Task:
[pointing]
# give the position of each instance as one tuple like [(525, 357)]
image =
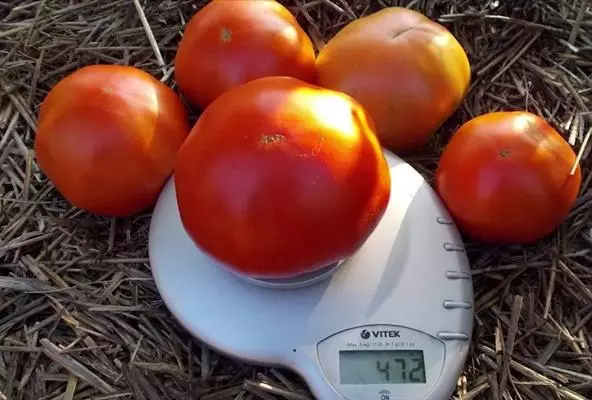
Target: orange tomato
[(409, 72), (280, 177), (228, 43), (108, 136), (505, 177)]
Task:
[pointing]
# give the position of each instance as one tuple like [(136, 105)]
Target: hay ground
[(80, 317)]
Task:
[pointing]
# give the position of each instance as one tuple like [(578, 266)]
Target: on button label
[(384, 395)]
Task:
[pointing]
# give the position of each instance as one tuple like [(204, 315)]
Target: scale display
[(360, 367)]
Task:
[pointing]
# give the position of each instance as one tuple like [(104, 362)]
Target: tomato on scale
[(506, 178), (280, 177)]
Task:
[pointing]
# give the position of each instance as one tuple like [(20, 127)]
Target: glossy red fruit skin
[(228, 43), (108, 137), (505, 178), (280, 177)]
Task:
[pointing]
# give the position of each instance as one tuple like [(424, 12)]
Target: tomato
[(505, 177), (409, 72), (280, 177), (108, 137), (226, 44)]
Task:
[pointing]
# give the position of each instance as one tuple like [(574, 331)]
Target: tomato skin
[(279, 177), (226, 44), (108, 136), (505, 178), (409, 72)]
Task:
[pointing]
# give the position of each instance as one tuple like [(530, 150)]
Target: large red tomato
[(280, 177), (108, 137), (409, 72), (505, 177), (228, 43)]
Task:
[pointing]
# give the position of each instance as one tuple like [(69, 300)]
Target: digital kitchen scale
[(392, 322)]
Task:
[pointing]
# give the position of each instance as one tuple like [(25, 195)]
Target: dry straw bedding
[(79, 314)]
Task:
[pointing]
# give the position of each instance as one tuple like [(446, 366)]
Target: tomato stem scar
[(504, 153), (273, 138), (225, 34)]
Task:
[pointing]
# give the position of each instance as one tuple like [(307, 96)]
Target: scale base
[(411, 275), (295, 282)]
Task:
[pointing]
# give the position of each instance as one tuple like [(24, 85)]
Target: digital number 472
[(412, 375)]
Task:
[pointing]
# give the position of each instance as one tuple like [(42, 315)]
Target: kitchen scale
[(393, 322)]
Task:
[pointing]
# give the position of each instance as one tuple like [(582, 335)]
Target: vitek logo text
[(366, 334)]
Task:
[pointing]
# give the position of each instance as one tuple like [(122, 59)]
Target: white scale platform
[(403, 301)]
